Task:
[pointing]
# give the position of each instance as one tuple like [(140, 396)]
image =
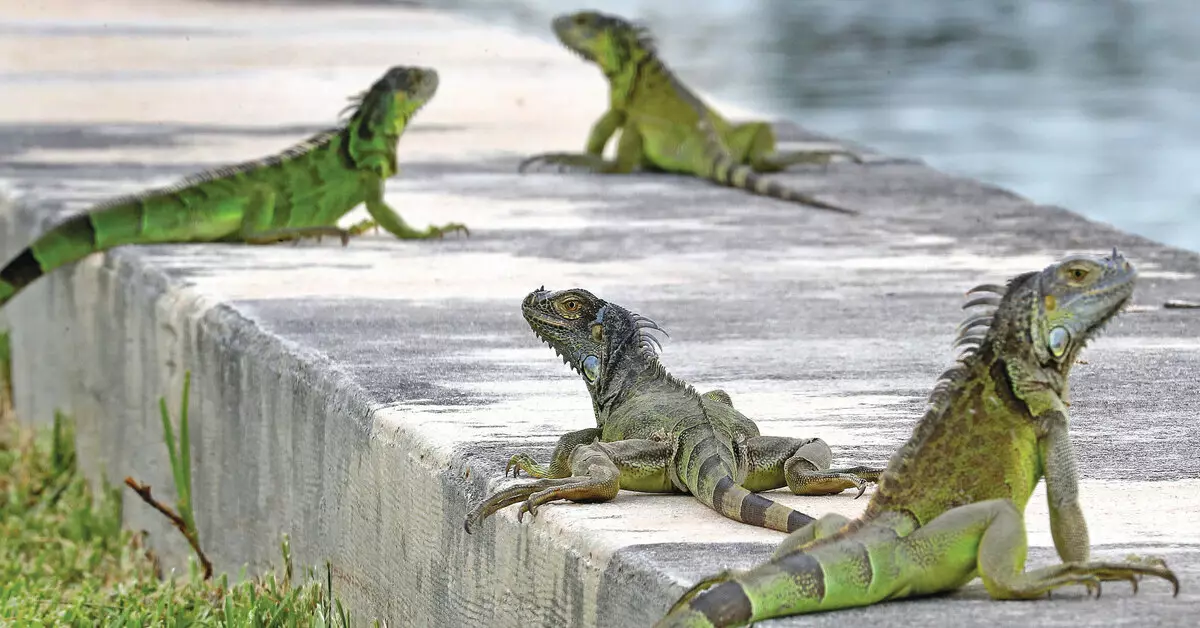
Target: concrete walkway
[(361, 398)]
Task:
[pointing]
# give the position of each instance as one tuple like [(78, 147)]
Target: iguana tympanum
[(664, 126), (949, 506), (655, 433), (299, 193)]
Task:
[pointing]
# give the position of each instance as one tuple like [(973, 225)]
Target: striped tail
[(722, 169), (739, 504), (109, 225), (833, 576), (706, 473)]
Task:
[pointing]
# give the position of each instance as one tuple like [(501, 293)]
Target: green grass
[(65, 559)]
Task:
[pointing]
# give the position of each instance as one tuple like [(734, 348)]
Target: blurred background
[(1089, 104)]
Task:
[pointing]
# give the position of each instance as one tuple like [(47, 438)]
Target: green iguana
[(299, 193), (655, 433), (664, 126), (949, 506)]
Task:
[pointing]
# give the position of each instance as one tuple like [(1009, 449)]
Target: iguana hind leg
[(801, 464), (599, 471), (753, 144), (989, 536)]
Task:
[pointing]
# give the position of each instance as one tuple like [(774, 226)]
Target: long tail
[(706, 472), (111, 224), (722, 169), (828, 577)]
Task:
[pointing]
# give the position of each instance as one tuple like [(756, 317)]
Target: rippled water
[(1089, 104)]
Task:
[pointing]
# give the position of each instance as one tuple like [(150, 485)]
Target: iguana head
[(606, 40), (395, 98), (1045, 318), (594, 337)]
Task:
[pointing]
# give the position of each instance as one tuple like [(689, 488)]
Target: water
[(1088, 104)]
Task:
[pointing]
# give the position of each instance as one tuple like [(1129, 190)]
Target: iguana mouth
[(542, 327)]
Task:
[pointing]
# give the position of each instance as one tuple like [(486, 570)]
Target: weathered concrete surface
[(360, 398)]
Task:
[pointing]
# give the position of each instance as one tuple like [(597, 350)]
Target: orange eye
[(572, 305)]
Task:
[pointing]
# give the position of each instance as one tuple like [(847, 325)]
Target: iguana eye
[(1077, 274), (591, 368), (570, 307), (1059, 337)]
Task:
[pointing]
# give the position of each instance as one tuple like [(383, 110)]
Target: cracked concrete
[(360, 398)]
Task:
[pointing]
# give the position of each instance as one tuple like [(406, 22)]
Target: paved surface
[(361, 398)]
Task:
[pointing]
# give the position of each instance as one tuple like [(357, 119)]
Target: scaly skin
[(655, 433), (664, 126), (949, 505), (299, 193)]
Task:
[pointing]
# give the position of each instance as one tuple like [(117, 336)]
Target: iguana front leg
[(391, 221), (630, 157), (603, 129), (1068, 527), (989, 537), (560, 466), (753, 144), (801, 464), (599, 471)]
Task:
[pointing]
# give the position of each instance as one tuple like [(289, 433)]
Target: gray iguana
[(655, 433), (949, 506), (663, 125)]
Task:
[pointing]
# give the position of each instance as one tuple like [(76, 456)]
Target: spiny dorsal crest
[(354, 104), (318, 140), (650, 347), (970, 336), (644, 38), (647, 341)]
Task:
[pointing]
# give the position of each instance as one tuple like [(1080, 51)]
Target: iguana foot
[(1091, 574), (596, 478), (526, 463), (362, 227), (828, 484), (434, 231), (568, 163), (538, 492)]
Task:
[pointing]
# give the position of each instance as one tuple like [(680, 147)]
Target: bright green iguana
[(949, 505), (299, 193), (655, 433), (664, 126)]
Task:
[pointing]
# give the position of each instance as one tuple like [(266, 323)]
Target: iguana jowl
[(299, 193), (949, 506), (655, 433), (663, 125)]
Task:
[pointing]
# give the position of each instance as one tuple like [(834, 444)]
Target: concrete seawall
[(361, 398)]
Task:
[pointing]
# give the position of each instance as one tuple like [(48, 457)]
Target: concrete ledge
[(359, 399)]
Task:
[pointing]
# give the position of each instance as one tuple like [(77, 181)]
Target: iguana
[(655, 433), (664, 125), (298, 193), (949, 506)]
